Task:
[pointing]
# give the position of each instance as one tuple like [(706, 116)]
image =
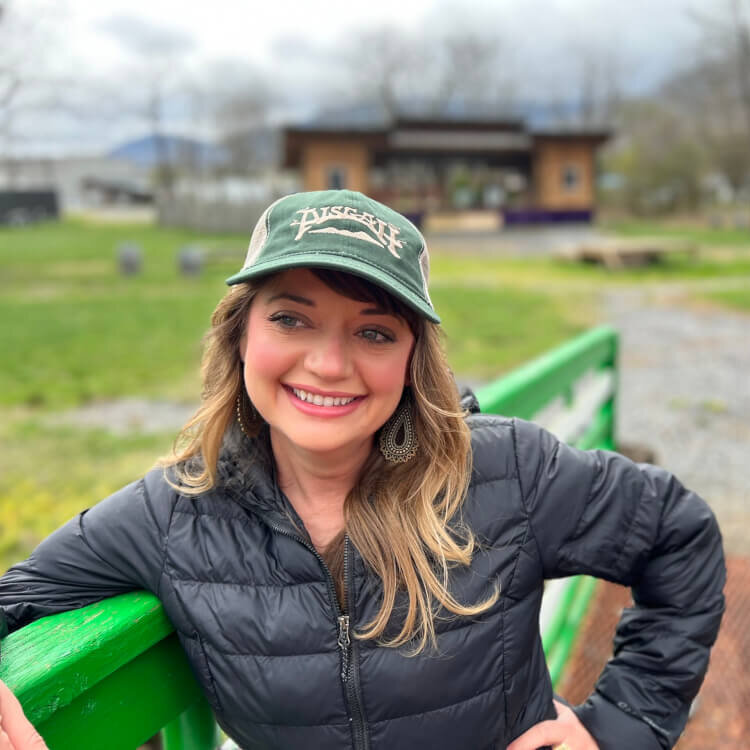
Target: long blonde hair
[(398, 516)]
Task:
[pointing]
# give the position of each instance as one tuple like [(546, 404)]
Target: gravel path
[(685, 393)]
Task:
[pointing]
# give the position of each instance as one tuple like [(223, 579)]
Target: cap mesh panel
[(259, 236)]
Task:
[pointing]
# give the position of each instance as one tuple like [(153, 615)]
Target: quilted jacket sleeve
[(598, 513), (114, 547)]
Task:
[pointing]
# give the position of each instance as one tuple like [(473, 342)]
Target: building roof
[(416, 132)]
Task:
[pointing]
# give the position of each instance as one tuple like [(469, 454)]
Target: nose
[(329, 357)]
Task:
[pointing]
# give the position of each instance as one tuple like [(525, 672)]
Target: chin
[(318, 442)]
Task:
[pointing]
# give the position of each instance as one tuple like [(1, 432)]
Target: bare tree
[(715, 92), (658, 157), (383, 63), (740, 30), (25, 83), (600, 90), (469, 73), (158, 68), (240, 105), (454, 69)]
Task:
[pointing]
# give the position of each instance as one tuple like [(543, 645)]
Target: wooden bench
[(616, 253)]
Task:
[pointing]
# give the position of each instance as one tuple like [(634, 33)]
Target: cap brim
[(340, 263)]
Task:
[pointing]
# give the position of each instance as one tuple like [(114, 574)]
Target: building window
[(336, 178), (571, 178)]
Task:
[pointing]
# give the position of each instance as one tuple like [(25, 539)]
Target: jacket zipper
[(349, 664), (351, 681)]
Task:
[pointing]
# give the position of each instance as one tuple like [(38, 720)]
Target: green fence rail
[(110, 675)]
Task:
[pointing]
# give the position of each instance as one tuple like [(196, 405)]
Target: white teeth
[(318, 400)]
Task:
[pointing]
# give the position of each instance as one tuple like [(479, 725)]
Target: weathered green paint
[(129, 706), (52, 661), (106, 676)]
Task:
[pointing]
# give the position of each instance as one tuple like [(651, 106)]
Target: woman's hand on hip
[(565, 732), (16, 731)]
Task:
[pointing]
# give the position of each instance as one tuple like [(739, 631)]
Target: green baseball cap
[(347, 231)]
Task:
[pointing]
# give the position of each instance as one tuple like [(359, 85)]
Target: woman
[(349, 559)]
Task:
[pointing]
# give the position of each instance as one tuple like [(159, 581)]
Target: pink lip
[(327, 412)]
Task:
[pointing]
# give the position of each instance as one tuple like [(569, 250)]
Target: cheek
[(389, 375), (263, 355)]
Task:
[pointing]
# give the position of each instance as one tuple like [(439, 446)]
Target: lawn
[(79, 331), (691, 231), (734, 298)]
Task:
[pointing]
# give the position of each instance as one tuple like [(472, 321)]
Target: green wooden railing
[(110, 675)]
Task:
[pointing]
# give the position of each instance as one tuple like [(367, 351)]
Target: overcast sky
[(294, 46)]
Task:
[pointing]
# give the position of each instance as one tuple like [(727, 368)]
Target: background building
[(422, 165)]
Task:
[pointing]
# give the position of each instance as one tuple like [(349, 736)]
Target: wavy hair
[(402, 518)]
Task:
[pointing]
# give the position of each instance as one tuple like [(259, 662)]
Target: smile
[(319, 400)]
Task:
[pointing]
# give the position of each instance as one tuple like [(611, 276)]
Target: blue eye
[(375, 336), (286, 321)]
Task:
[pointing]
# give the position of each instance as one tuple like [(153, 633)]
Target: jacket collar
[(246, 474)]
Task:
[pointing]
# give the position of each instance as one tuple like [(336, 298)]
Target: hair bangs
[(360, 289)]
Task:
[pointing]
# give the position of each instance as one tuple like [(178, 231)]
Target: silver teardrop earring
[(399, 425)]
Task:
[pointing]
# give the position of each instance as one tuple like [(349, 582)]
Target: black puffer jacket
[(256, 610)]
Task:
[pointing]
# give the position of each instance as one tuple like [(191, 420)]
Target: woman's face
[(323, 370)]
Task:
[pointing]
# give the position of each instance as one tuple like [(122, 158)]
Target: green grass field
[(692, 232), (74, 331), (78, 331), (738, 299)]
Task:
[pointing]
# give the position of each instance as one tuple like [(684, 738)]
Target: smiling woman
[(352, 557), (305, 346)]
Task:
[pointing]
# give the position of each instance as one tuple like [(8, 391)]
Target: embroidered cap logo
[(383, 234)]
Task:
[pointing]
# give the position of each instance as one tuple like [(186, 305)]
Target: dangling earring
[(400, 423), (240, 408)]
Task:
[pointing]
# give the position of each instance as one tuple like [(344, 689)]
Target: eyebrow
[(293, 297), (310, 303)]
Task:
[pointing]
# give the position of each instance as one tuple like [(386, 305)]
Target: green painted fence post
[(194, 729)]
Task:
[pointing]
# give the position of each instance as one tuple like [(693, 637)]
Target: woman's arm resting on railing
[(598, 513), (116, 546), (16, 731)]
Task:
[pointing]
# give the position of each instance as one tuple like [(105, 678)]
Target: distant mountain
[(147, 151)]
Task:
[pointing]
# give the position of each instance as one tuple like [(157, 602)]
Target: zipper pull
[(344, 642)]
